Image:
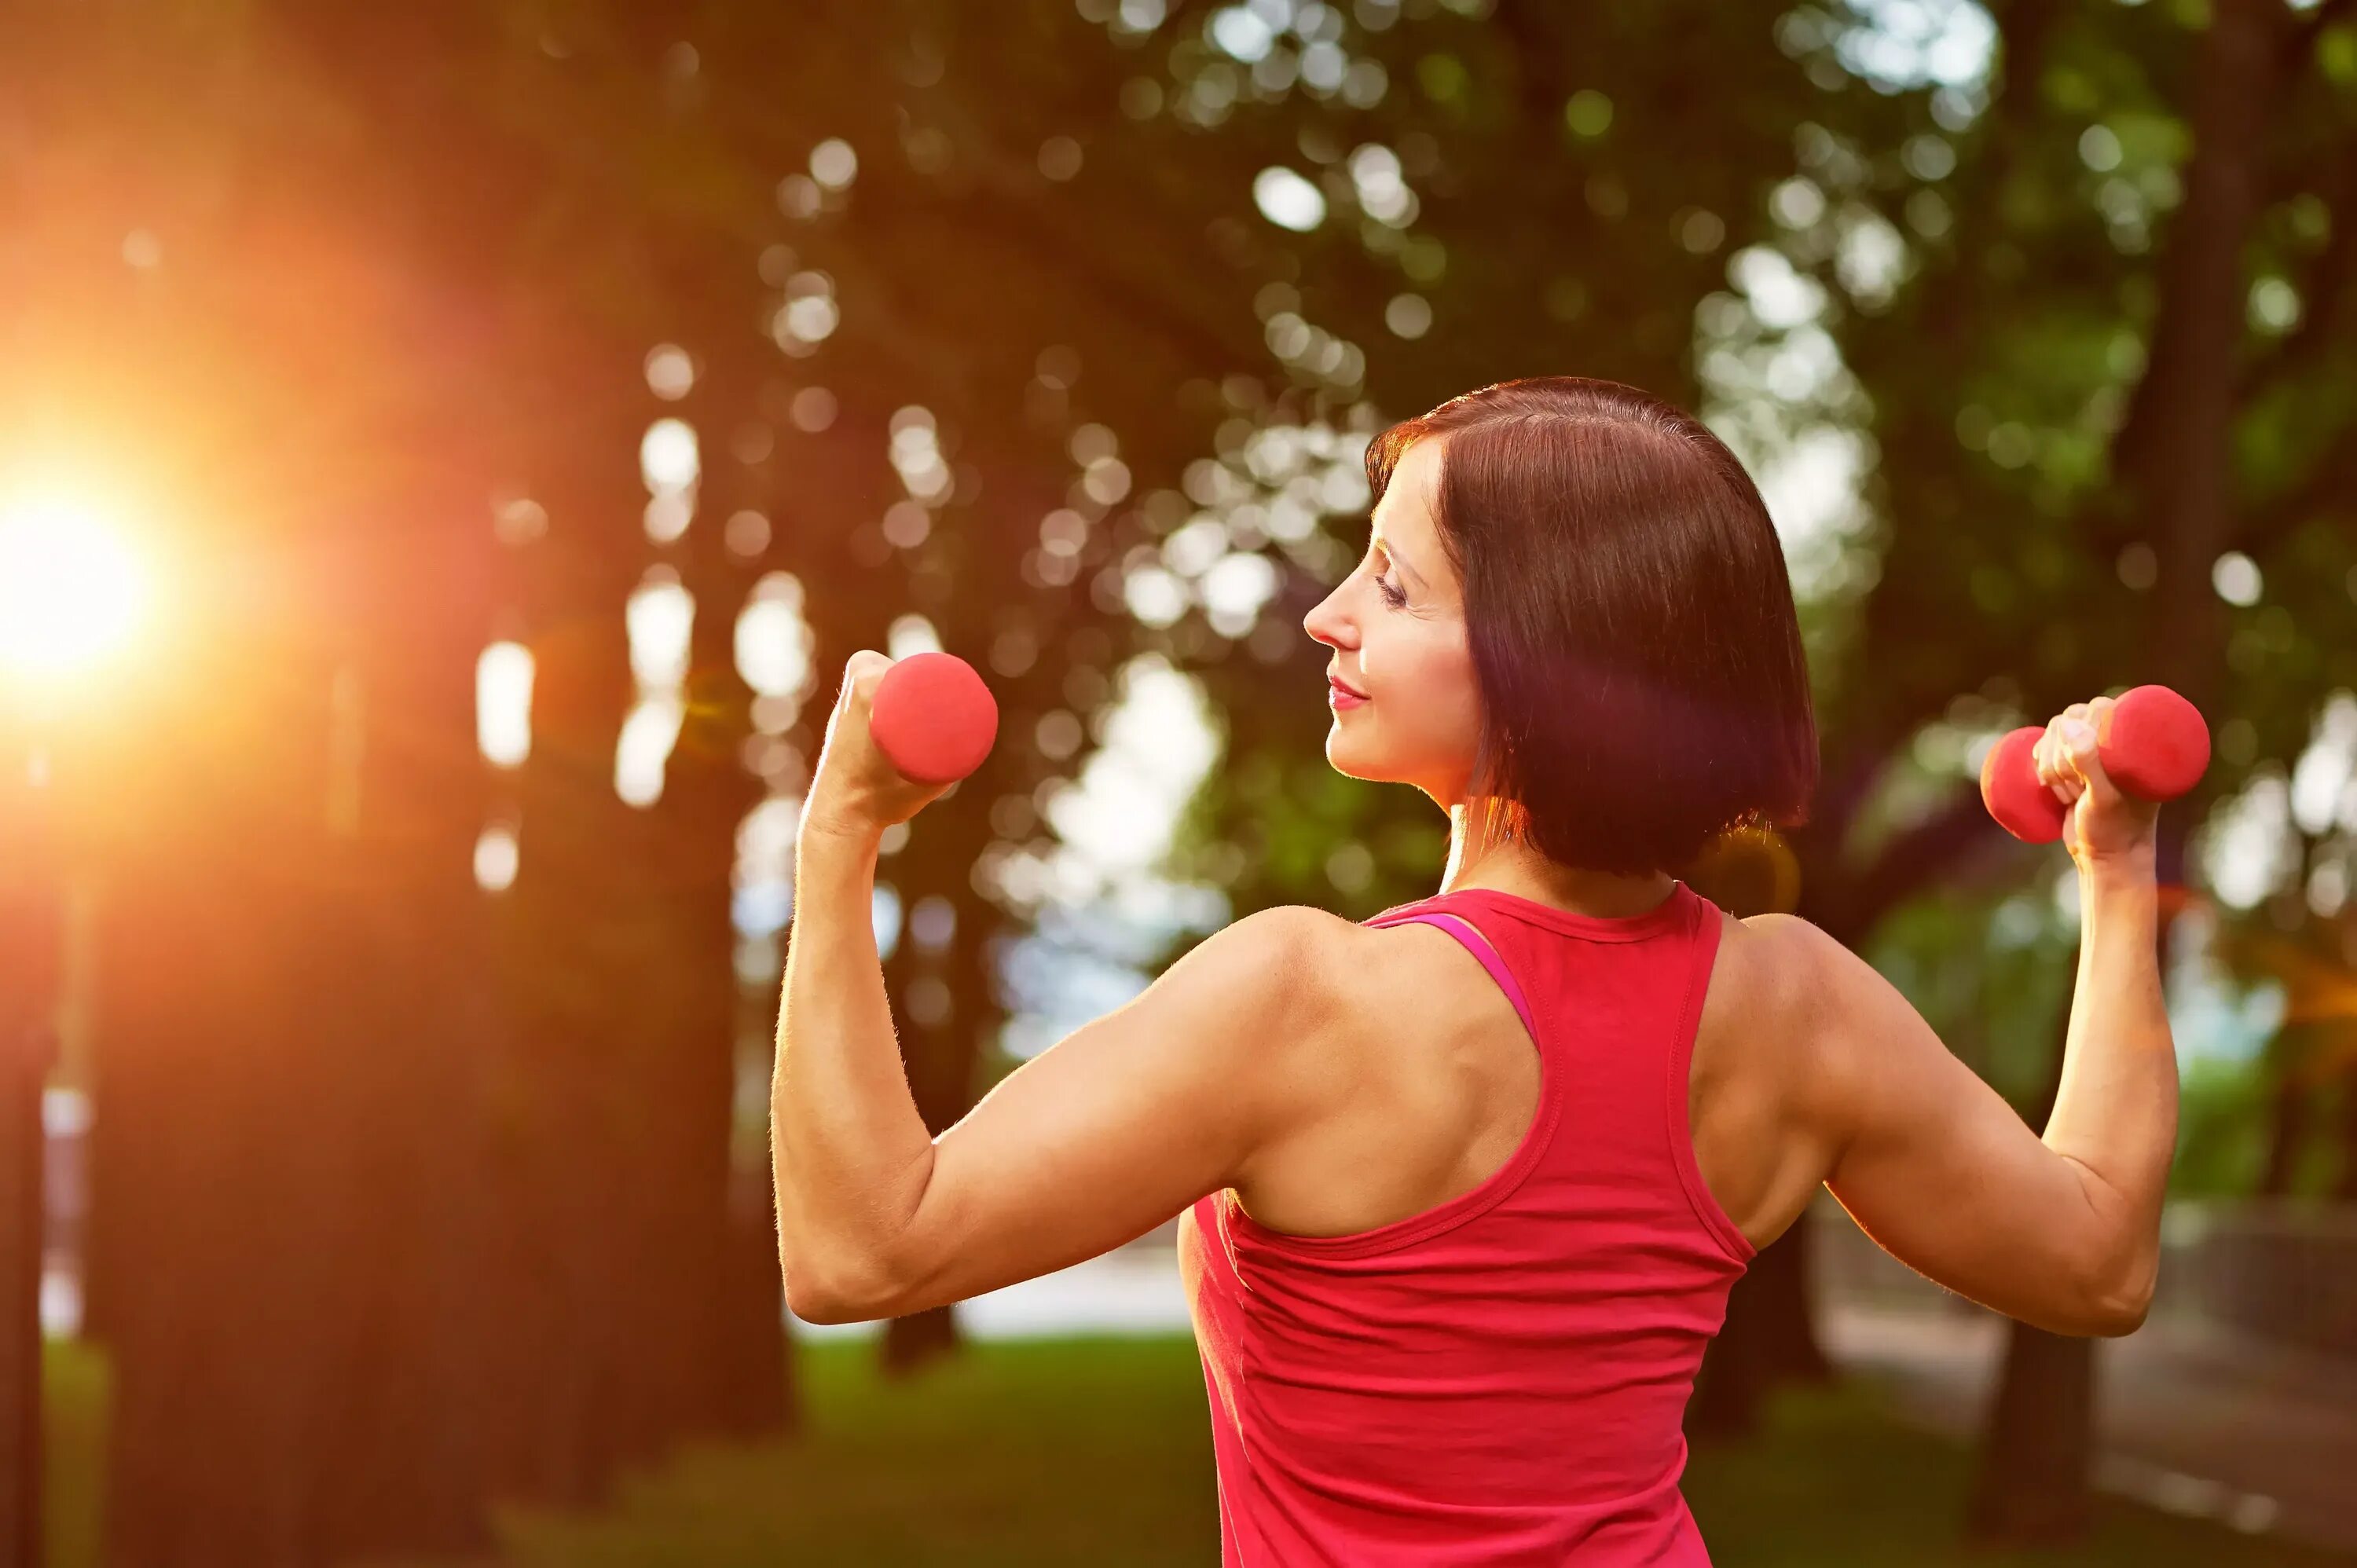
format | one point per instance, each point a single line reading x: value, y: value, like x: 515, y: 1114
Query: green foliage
x: 1990, y: 970
x: 1585, y: 172
x: 499, y: 207
x: 2222, y: 1130
x: 2019, y: 377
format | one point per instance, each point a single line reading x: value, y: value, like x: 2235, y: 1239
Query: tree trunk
x: 619, y: 1034
x: 2344, y: 1186
x: 2031, y: 1487
x: 2038, y: 1444
x: 2286, y: 1127
x: 223, y: 1154
x: 1769, y: 1338
x: 1780, y: 1300
x: 410, y: 980
x: 29, y: 946
x: 729, y: 1304
x: 914, y: 1342
x: 285, y: 1158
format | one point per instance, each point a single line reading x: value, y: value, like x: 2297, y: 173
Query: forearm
x: 849, y: 1146
x: 2115, y: 1110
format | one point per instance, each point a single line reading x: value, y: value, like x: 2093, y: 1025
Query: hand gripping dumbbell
x: 2152, y: 743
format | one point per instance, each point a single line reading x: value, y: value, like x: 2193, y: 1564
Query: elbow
x: 2118, y: 1262
x: 827, y: 1296
x: 806, y: 1298
x: 2115, y: 1317
x: 2089, y: 1318
x: 809, y: 1307
x: 2116, y: 1303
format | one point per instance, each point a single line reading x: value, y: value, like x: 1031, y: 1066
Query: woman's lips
x: 1342, y: 696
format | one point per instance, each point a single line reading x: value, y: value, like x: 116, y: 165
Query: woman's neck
x: 1507, y: 866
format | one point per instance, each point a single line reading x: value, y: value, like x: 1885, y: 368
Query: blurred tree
x: 2105, y: 411
x: 1054, y: 337
x: 2061, y: 289
x: 520, y: 205
x: 1971, y: 274
x: 2311, y: 1059
x: 404, y: 1202
x: 31, y: 928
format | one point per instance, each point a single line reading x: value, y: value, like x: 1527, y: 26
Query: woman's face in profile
x: 1396, y: 626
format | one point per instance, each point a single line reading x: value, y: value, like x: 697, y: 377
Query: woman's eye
x: 1390, y: 595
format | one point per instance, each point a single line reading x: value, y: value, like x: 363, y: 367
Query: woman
x: 1463, y: 1185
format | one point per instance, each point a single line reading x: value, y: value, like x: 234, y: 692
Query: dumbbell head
x: 933, y: 718
x: 2156, y: 746
x: 2009, y: 788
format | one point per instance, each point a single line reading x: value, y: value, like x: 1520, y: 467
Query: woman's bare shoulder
x: 1769, y: 1085
x: 1798, y: 981
x: 1831, y: 1012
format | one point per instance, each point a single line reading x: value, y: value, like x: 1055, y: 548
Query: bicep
x: 1936, y: 1167
x: 1116, y: 1127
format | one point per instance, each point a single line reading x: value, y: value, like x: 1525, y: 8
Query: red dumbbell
x: 932, y: 718
x: 2151, y: 741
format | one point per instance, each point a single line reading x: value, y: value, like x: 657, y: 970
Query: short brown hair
x: 1643, y: 686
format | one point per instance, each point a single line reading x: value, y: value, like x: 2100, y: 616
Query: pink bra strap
x: 1466, y: 931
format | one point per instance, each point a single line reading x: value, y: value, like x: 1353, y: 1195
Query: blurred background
x: 448, y: 452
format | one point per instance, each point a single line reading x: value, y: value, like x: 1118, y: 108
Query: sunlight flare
x: 71, y: 590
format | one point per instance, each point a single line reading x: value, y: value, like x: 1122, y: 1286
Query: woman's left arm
x: 1093, y: 1143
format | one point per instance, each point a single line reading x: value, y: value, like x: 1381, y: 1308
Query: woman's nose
x: 1324, y: 624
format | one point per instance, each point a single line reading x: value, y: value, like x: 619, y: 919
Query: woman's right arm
x: 2061, y: 1232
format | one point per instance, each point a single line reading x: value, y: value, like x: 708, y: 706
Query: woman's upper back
x: 1433, y: 1083
x: 1458, y: 1320
x: 1808, y: 1070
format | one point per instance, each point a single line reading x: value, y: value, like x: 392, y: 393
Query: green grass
x: 73, y: 1423
x: 1098, y: 1451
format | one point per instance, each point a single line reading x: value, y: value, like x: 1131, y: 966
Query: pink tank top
x: 1502, y: 1379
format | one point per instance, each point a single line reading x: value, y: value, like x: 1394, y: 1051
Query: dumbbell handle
x: 2152, y: 743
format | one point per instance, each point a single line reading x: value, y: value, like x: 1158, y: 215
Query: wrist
x: 839, y: 840
x: 2130, y: 867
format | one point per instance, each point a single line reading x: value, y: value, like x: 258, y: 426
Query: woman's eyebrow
x: 1406, y: 565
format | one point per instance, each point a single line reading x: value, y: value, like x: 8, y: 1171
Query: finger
x: 2054, y: 768
x: 863, y: 669
x: 2085, y: 759
x: 846, y: 694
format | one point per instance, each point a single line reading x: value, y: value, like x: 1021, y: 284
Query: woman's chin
x: 1350, y: 760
